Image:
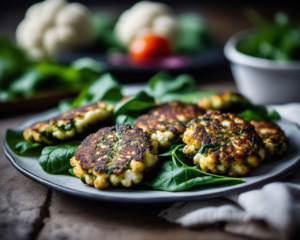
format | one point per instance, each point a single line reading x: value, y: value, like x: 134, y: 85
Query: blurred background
x: 225, y: 17
x: 204, y: 61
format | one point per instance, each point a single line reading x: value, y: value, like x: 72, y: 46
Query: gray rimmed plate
x: 264, y: 174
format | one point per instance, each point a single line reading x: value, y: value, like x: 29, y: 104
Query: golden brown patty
x: 114, y: 155
x: 276, y: 143
x: 225, y: 102
x: 223, y: 144
x: 68, y: 124
x: 166, y: 122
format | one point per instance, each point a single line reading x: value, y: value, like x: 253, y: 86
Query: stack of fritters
x: 223, y: 144
x: 115, y: 155
x: 68, y: 124
x: 167, y: 122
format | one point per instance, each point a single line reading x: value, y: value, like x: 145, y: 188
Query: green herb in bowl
x: 275, y: 41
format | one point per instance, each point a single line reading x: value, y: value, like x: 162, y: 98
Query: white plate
x: 265, y: 173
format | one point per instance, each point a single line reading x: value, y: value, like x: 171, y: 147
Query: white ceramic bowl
x: 263, y: 81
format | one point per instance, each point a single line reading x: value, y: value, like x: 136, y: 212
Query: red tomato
x: 148, y: 47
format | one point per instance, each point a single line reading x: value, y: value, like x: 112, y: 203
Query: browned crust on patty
x: 226, y: 102
x: 274, y: 131
x: 42, y: 131
x: 170, y: 116
x: 223, y: 143
x: 276, y: 143
x: 112, y: 148
x: 75, y: 112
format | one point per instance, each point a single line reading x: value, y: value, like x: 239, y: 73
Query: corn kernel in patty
x: 223, y: 144
x: 166, y: 122
x: 68, y: 124
x: 115, y: 155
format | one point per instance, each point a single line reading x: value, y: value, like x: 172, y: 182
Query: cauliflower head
x: 53, y: 25
x: 146, y: 17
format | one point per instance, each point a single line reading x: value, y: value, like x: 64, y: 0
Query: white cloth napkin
x: 272, y: 212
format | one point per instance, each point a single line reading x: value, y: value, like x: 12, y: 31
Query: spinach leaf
x: 71, y: 171
x: 162, y: 84
x: 19, y: 146
x: 259, y: 112
x: 25, y: 84
x: 275, y: 41
x: 192, y: 97
x: 47, y: 75
x: 170, y: 152
x: 129, y: 117
x: 13, y: 62
x: 5, y: 96
x: 88, y: 64
x: 127, y: 111
x: 194, y: 35
x: 65, y: 105
x: 105, y: 88
x: 105, y: 37
x: 168, y: 177
x: 177, y: 175
x: 56, y: 159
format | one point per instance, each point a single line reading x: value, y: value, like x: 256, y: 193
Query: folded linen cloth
x: 272, y: 212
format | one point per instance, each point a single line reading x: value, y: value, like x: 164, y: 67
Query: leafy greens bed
x: 174, y: 172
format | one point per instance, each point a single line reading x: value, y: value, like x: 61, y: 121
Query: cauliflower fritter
x: 225, y: 102
x: 114, y: 155
x: 167, y: 122
x: 68, y: 124
x: 276, y: 143
x: 223, y: 144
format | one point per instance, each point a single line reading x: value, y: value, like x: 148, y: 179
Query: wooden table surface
x: 29, y: 210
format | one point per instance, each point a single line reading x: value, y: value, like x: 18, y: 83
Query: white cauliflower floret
x: 116, y: 179
x: 131, y: 177
x: 61, y: 135
x: 162, y: 138
x: 91, y: 117
x: 146, y: 17
x: 54, y: 25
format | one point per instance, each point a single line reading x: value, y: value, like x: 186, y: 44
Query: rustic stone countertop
x: 29, y: 210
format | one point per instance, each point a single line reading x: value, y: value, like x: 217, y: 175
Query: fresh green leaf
x: 167, y: 177
x: 5, y: 96
x: 26, y: 83
x: 105, y: 37
x: 24, y: 145
x: 71, y: 171
x: 18, y: 145
x: 170, y: 152
x: 192, y: 97
x: 132, y: 107
x: 65, y: 105
x: 13, y: 62
x: 277, y: 41
x: 194, y: 34
x: 46, y: 75
x: 105, y: 88
x: 56, y: 159
x: 163, y: 84
x: 128, y: 118
x: 273, y: 115
x: 89, y: 64
x: 259, y: 112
